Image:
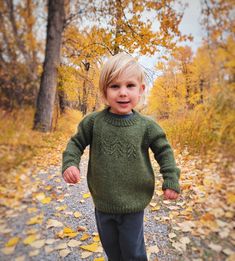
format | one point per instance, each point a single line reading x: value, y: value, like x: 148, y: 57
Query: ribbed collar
x: 120, y: 122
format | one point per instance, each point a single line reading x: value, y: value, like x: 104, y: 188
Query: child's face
x: 124, y: 92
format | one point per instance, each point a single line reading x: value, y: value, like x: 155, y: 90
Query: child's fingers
x: 68, y: 177
x: 170, y: 194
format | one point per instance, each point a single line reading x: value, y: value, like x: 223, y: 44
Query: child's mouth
x: 123, y: 102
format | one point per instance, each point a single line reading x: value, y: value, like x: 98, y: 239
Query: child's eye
x: 131, y: 85
x: 114, y: 86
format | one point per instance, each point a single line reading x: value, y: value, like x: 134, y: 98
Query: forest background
x: 49, y: 81
x: 190, y: 92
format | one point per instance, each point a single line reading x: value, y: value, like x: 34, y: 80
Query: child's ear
x: 142, y: 88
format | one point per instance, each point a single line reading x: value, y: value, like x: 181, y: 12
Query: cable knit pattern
x: 120, y: 176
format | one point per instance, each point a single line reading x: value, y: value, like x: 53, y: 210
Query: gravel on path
x: 51, y: 183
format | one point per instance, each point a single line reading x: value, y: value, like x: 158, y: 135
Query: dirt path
x: 55, y: 221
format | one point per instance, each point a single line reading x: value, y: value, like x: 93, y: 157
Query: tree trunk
x: 47, y: 92
x: 84, y: 89
x: 61, y: 102
x: 118, y: 26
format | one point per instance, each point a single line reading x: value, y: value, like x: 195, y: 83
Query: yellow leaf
x: 31, y: 210
x: 99, y: 259
x: 230, y: 198
x: 155, y: 208
x: 86, y: 195
x: 92, y: 247
x: 84, y: 236
x: 207, y: 217
x: 46, y: 200
x: 68, y: 230
x: 12, y: 242
x: 40, y: 196
x: 77, y: 214
x: 35, y: 220
x: 31, y: 231
x: 48, y: 187
x: 28, y: 240
x: 96, y: 238
x: 61, y: 208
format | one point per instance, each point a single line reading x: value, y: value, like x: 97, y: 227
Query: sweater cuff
x: 169, y: 184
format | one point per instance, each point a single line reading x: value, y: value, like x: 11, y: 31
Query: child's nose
x: 123, y: 91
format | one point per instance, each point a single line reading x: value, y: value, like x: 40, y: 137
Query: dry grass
x: 19, y: 144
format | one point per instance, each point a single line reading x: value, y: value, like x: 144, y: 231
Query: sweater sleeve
x: 78, y: 142
x: 164, y: 155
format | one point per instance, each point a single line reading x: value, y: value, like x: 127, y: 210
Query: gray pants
x: 122, y: 235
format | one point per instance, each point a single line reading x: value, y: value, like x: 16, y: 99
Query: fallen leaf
x: 48, y: 249
x: 61, y: 246
x: 172, y: 235
x: 12, y: 242
x: 153, y: 249
x: 91, y: 247
x: 99, y: 259
x: 215, y: 247
x: 19, y: 258
x: 85, y: 236
x: 77, y: 214
x: 50, y: 241
x: 46, y: 200
x: 61, y: 208
x: 30, y: 239
x: 231, y: 257
x: 38, y: 244
x: 35, y: 220
x: 86, y: 195
x: 34, y: 253
x: 40, y: 196
x: 228, y: 252
x: 184, y: 240
x: 230, y: 197
x: 64, y: 252
x: 74, y: 243
x: 8, y: 250
x: 85, y: 254
x: 54, y: 223
x: 80, y: 228
x: 96, y: 238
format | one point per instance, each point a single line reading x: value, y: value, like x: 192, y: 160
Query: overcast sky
x: 190, y: 24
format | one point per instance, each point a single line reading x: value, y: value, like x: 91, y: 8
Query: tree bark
x: 47, y: 92
x: 118, y: 27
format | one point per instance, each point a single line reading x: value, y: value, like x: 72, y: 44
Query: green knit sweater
x: 120, y: 176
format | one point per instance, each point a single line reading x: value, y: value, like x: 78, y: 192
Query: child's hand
x: 170, y: 194
x: 71, y: 175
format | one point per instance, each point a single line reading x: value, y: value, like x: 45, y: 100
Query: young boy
x: 120, y: 176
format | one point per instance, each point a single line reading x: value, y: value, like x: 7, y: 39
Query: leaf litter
x: 56, y: 220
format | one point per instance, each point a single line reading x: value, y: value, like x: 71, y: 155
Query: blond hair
x: 116, y: 65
